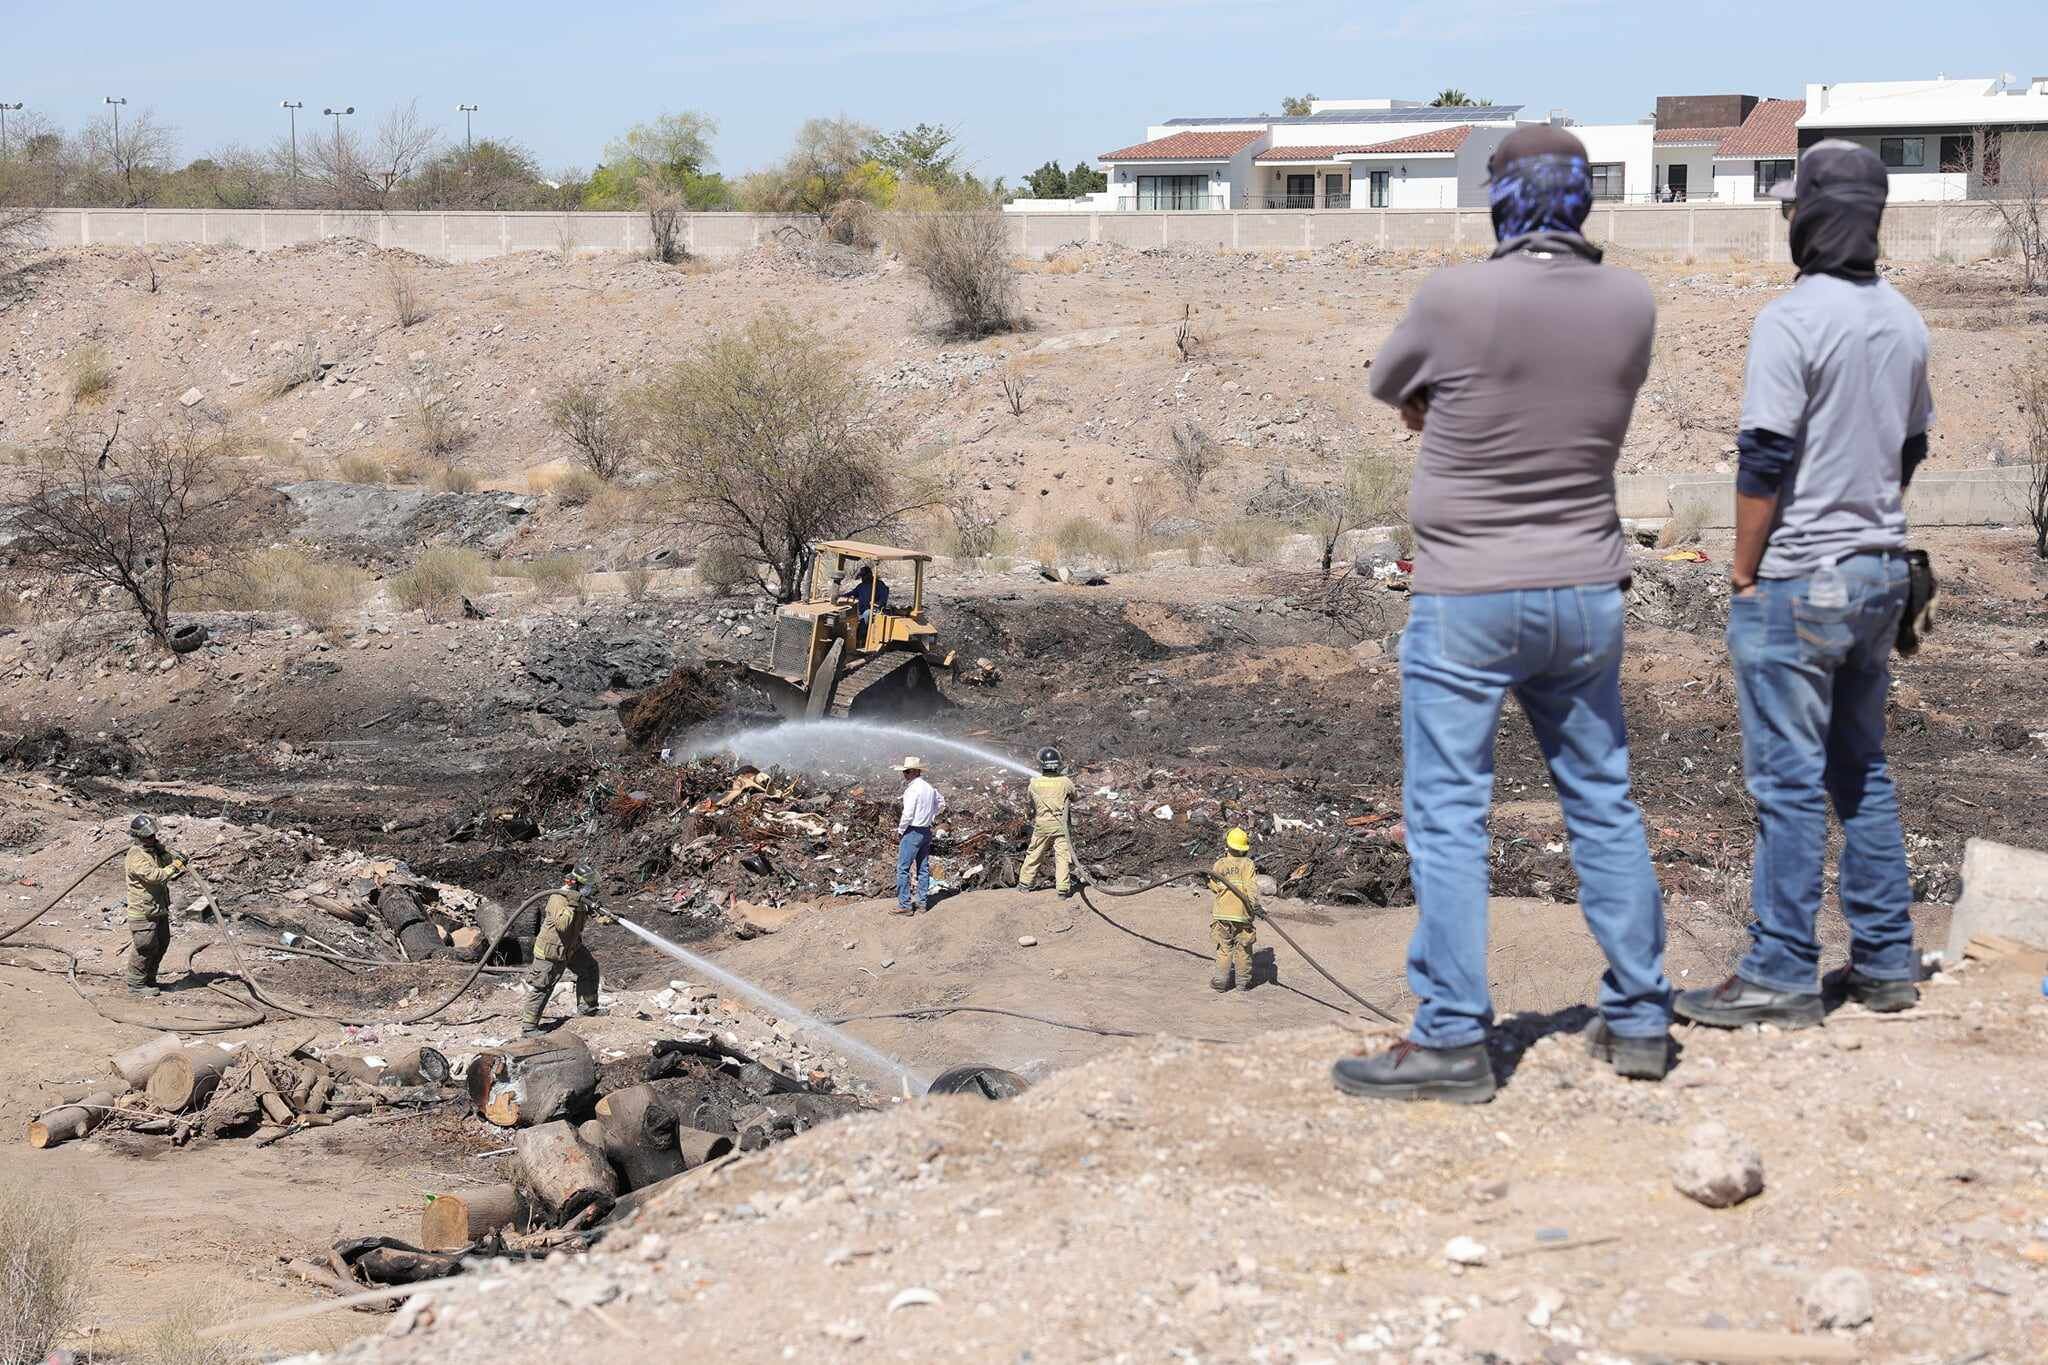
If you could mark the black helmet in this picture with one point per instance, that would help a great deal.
(142, 828)
(1049, 759)
(580, 876)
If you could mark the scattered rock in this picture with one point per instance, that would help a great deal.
(1840, 1298)
(913, 1297)
(1462, 1250)
(1027, 941)
(2008, 734)
(1717, 1168)
(191, 398)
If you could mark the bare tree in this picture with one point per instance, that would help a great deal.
(770, 445)
(664, 222)
(405, 142)
(2011, 178)
(151, 517)
(332, 163)
(964, 259)
(2032, 491)
(1193, 458)
(590, 420)
(128, 158)
(21, 231)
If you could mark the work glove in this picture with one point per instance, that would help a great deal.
(177, 867)
(600, 917)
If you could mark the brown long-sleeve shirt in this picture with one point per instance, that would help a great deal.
(1530, 363)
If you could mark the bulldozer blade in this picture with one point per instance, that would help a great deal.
(791, 702)
(909, 690)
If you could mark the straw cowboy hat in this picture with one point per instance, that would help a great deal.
(911, 764)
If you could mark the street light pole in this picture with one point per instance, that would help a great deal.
(16, 107)
(292, 107)
(468, 140)
(127, 181)
(338, 168)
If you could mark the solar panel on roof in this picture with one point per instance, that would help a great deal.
(1425, 114)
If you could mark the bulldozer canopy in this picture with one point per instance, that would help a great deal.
(860, 549)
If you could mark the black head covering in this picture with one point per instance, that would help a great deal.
(1839, 197)
(1540, 190)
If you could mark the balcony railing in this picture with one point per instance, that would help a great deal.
(1168, 203)
(1305, 201)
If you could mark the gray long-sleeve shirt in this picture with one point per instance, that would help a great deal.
(1531, 362)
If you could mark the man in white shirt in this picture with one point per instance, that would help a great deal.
(921, 806)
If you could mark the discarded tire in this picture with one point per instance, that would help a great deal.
(186, 638)
(989, 1082)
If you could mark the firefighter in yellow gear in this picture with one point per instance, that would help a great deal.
(1231, 929)
(150, 869)
(558, 947)
(1052, 795)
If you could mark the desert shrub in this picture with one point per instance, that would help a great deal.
(964, 259)
(439, 579)
(42, 1270)
(576, 487)
(361, 469)
(1087, 538)
(284, 579)
(1191, 457)
(594, 425)
(174, 1339)
(92, 373)
(724, 569)
(437, 432)
(403, 292)
(1192, 545)
(1687, 520)
(635, 581)
(553, 576)
(1246, 541)
(851, 222)
(973, 531)
(453, 478)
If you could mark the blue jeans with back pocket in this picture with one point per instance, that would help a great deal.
(1559, 651)
(1811, 682)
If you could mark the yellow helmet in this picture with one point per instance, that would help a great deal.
(1237, 841)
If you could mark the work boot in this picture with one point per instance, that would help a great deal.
(1407, 1071)
(1643, 1059)
(589, 1011)
(1222, 979)
(1066, 893)
(1736, 1002)
(1246, 978)
(530, 1030)
(1879, 997)
(149, 992)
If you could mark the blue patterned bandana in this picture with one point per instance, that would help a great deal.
(1551, 193)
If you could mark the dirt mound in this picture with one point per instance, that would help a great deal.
(686, 697)
(55, 749)
(1680, 595)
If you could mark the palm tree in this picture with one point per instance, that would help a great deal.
(1452, 98)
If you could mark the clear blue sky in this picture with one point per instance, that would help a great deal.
(1021, 80)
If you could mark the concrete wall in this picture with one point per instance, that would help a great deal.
(1967, 497)
(1700, 231)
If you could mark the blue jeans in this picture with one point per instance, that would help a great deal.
(914, 851)
(1559, 651)
(1811, 682)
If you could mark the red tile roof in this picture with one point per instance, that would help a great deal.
(1684, 137)
(1770, 132)
(1436, 140)
(1320, 152)
(1187, 147)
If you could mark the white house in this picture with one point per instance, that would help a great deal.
(1940, 139)
(1341, 154)
(1696, 147)
(1760, 153)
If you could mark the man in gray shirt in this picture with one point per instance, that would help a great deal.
(1521, 372)
(1834, 420)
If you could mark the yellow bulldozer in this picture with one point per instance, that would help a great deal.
(849, 637)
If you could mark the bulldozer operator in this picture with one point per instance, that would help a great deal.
(868, 593)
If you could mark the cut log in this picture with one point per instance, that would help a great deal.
(453, 1221)
(134, 1065)
(275, 1107)
(635, 1200)
(401, 913)
(696, 1146)
(637, 1130)
(533, 1081)
(697, 1104)
(322, 1089)
(784, 1116)
(355, 1068)
(69, 1122)
(185, 1079)
(420, 1066)
(563, 1173)
(341, 910)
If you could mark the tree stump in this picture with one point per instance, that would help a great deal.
(401, 913)
(420, 1066)
(134, 1065)
(637, 1130)
(453, 1221)
(185, 1079)
(696, 1146)
(563, 1173)
(533, 1081)
(68, 1122)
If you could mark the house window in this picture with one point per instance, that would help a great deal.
(1958, 152)
(1378, 189)
(1770, 173)
(1173, 192)
(1609, 179)
(1909, 153)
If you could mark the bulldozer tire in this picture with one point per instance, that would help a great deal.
(825, 682)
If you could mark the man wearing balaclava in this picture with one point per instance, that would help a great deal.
(1521, 373)
(1835, 411)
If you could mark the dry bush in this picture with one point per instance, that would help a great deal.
(554, 576)
(319, 594)
(14, 610)
(439, 579)
(576, 487)
(454, 478)
(436, 429)
(176, 1339)
(403, 290)
(594, 425)
(1246, 541)
(361, 469)
(1013, 385)
(301, 366)
(635, 580)
(92, 373)
(1087, 538)
(43, 1284)
(1185, 339)
(664, 224)
(851, 222)
(1145, 506)
(1687, 520)
(1192, 545)
(972, 531)
(964, 259)
(2031, 385)
(770, 443)
(1193, 458)
(724, 569)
